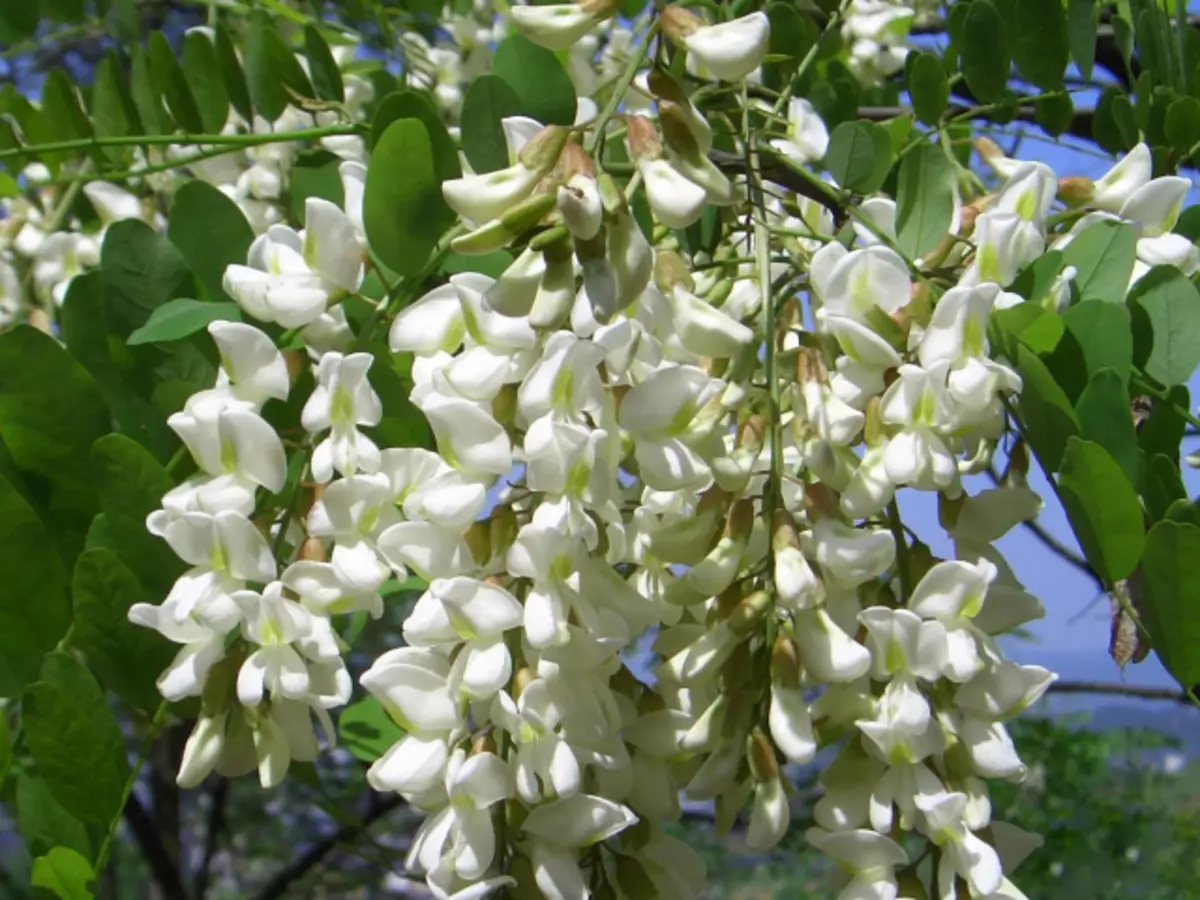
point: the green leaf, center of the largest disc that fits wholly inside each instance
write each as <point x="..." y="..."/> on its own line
<point x="50" y="410"/>
<point x="859" y="156"/>
<point x="1166" y="302"/>
<point x="1041" y="50"/>
<point x="543" y="88"/>
<point x="792" y="36"/>
<point x="64" y="115"/>
<point x="19" y="20"/>
<point x="77" y="745"/>
<point x="326" y="77"/>
<point x="1104" y="417"/>
<point x="929" y="88"/>
<point x="1103" y="508"/>
<point x="173" y="86"/>
<point x="1081" y="34"/>
<point x="1029" y="324"/>
<point x="131" y="485"/>
<point x="367" y="731"/>
<point x="984" y="51"/>
<point x="1046" y="414"/>
<point x="1054" y="113"/>
<point x="1171" y="598"/>
<point x="126" y="657"/>
<point x="1102" y="331"/>
<point x="273" y="74"/>
<point x="146" y="97"/>
<point x="1161" y="486"/>
<point x="211" y="233"/>
<point x="65" y="873"/>
<point x="203" y="74"/>
<point x="35" y="606"/>
<point x="315" y="174"/>
<point x="1182" y="124"/>
<point x="408" y="104"/>
<point x="924" y="200"/>
<point x="232" y="75"/>
<point x="1103" y="256"/>
<point x="1163" y="430"/>
<point x="402" y="425"/>
<point x="402" y="197"/>
<point x="44" y="823"/>
<point x="141" y="270"/>
<point x="492" y="264"/>
<point x="180" y="318"/>
<point x="1036" y="279"/>
<point x="489" y="99"/>
<point x="113" y="112"/>
<point x="88" y="330"/>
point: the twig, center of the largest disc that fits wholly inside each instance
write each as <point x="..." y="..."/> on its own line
<point x="212" y="836"/>
<point x="1120" y="690"/>
<point x="153" y="850"/>
<point x="280" y="882"/>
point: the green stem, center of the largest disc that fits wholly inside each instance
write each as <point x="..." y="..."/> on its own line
<point x="762" y="254"/>
<point x="596" y="144"/>
<point x="160" y="718"/>
<point x="142" y="171"/>
<point x="183" y="140"/>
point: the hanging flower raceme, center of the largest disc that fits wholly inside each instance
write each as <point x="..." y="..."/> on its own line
<point x="637" y="427"/>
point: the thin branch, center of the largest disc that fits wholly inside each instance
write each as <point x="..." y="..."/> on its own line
<point x="282" y="880"/>
<point x="212" y="835"/>
<point x="153" y="850"/>
<point x="1119" y="690"/>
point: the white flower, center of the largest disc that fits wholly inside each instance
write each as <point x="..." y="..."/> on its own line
<point x="731" y="50"/>
<point x="964" y="854"/>
<point x="807" y="138"/>
<point x="342" y="400"/>
<point x="558" y="26"/>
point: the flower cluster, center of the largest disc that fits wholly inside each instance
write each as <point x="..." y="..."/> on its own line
<point x="657" y="533"/>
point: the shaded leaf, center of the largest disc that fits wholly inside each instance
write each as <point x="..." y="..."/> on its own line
<point x="366" y="730"/>
<point x="402" y="197"/>
<point x="1103" y="509"/>
<point x="984" y="51"/>
<point x="202" y="72"/>
<point x="326" y="77"/>
<point x="77" y="745"/>
<point x="271" y="68"/>
<point x="126" y="657"/>
<point x="1104" y="417"/>
<point x="211" y="232"/>
<point x="1171" y="597"/>
<point x="1046" y="414"/>
<point x="35" y="605"/>
<point x="489" y="99"/>
<point x="543" y="89"/>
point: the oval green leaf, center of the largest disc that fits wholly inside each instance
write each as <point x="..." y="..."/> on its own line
<point x="180" y="318"/>
<point x="1103" y="508"/>
<point x="489" y="99"/>
<point x="402" y="197"/>
<point x="543" y="87"/>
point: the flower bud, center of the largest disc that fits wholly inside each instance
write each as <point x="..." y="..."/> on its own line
<point x="580" y="206"/>
<point x="760" y="755"/>
<point x="670" y="270"/>
<point x="1076" y="191"/>
<point x="785" y="663"/>
<point x="542" y="151"/>
<point x="749" y="613"/>
<point x="202" y="751"/>
<point x="642" y="139"/>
